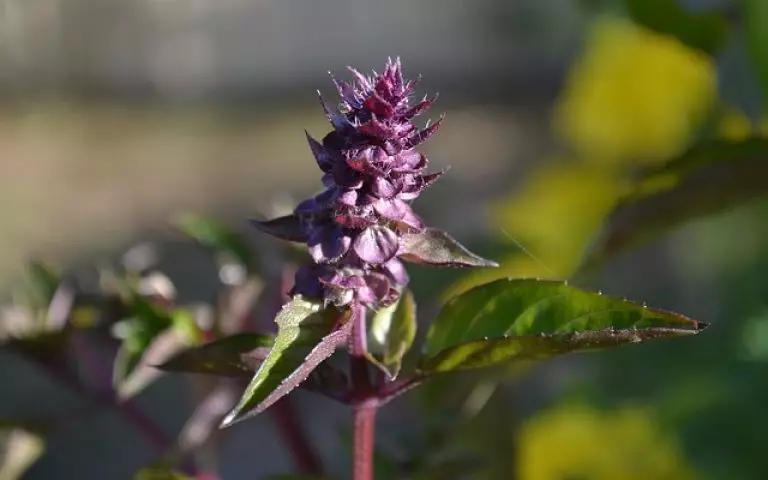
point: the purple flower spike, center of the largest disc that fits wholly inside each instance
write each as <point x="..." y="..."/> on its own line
<point x="363" y="222"/>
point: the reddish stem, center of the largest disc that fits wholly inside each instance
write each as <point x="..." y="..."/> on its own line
<point x="364" y="400"/>
<point x="365" y="425"/>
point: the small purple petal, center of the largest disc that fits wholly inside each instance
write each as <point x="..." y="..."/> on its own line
<point x="394" y="209"/>
<point x="410" y="161"/>
<point x="307" y="281"/>
<point x="375" y="290"/>
<point x="396" y="271"/>
<point x="376" y="245"/>
<point x="381" y="187"/>
<point x="348" y="197"/>
<point x="327" y="243"/>
<point x="411" y="222"/>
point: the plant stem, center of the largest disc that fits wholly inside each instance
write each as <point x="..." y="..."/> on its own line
<point x="365" y="425"/>
<point x="364" y="421"/>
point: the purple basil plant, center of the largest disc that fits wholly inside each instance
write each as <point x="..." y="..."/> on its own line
<point x="353" y="291"/>
<point x="361" y="227"/>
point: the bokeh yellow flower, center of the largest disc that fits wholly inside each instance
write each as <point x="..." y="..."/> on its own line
<point x="553" y="215"/>
<point x="634" y="95"/>
<point x="734" y="125"/>
<point x="577" y="441"/>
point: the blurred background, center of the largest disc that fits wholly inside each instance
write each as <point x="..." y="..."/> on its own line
<point x="118" y="115"/>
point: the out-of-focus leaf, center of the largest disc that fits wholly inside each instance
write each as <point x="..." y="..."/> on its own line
<point x="160" y="473"/>
<point x="307" y="335"/>
<point x="216" y="237"/>
<point x="288" y="227"/>
<point x="705" y="31"/>
<point x="21" y="449"/>
<point x="527" y="319"/>
<point x="167" y="343"/>
<point x="234" y="356"/>
<point x="138" y="332"/>
<point x="393" y="330"/>
<point x="437" y="248"/>
<point x="43" y="283"/>
<point x="755" y="21"/>
<point x="709" y="178"/>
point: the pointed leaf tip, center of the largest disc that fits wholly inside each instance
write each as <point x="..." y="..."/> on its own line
<point x="307" y="335"/>
<point x="438" y="248"/>
<point x="288" y="227"/>
<point x="531" y="320"/>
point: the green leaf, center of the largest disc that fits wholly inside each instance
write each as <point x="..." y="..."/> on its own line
<point x="234" y="356"/>
<point x="435" y="247"/>
<point x="709" y="178"/>
<point x="306" y="336"/>
<point x="755" y="16"/>
<point x="523" y="319"/>
<point x="145" y="324"/>
<point x="168" y="342"/>
<point x="43" y="283"/>
<point x="705" y="31"/>
<point x="393" y="330"/>
<point x="216" y="237"/>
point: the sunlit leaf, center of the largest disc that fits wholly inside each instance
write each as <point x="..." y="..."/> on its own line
<point x="393" y="330"/>
<point x="755" y="20"/>
<point x="524" y="319"/>
<point x="307" y="335"/>
<point x="705" y="31"/>
<point x="216" y="237"/>
<point x="435" y="247"/>
<point x="709" y="178"/>
<point x="234" y="356"/>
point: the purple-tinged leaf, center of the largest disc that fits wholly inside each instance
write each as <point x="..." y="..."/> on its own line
<point x="307" y="335"/>
<point x="436" y="247"/>
<point x="526" y="320"/>
<point x="288" y="227"/>
<point x="238" y="355"/>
